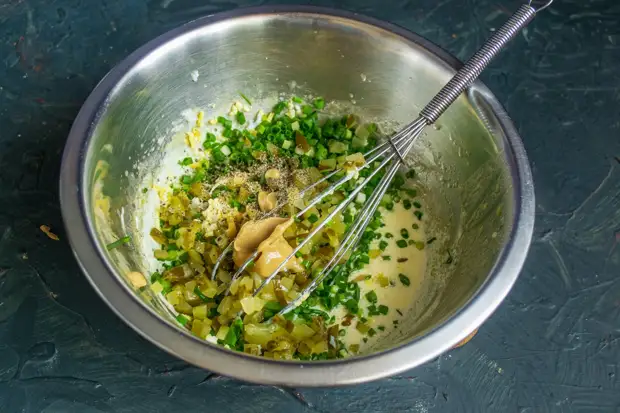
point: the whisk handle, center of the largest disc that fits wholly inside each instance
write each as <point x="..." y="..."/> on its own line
<point x="476" y="64"/>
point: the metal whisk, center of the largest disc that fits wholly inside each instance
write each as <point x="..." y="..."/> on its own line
<point x="392" y="152"/>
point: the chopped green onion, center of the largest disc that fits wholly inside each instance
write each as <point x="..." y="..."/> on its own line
<point x="386" y="258"/>
<point x="371" y="296"/>
<point x="410" y="174"/>
<point x="313" y="218"/>
<point x="404" y="279"/>
<point x="319" y="103"/>
<point x="240" y="118"/>
<point x="383" y="309"/>
<point x="224" y="122"/>
<point x="187" y="161"/>
<point x="407" y="204"/>
<point x="122" y="241"/>
<point x="404" y="233"/>
<point x="398" y="182"/>
<point x="401" y="243"/>
<point x="182" y="320"/>
<point x="383" y="245"/>
<point x="417" y="204"/>
<point x="234" y="332"/>
<point x="418" y="214"/>
<point x="415" y="226"/>
<point x="411" y="192"/>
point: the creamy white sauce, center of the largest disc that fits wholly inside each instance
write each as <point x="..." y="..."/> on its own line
<point x="396" y="295"/>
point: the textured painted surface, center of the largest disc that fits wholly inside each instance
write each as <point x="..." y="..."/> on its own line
<point x="553" y="346"/>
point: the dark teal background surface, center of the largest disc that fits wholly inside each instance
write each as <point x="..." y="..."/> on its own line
<point x="552" y="346"/>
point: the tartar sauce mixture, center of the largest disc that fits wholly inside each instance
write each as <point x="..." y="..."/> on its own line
<point x="241" y="188"/>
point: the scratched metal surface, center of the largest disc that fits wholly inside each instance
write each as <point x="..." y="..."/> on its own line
<point x="553" y="346"/>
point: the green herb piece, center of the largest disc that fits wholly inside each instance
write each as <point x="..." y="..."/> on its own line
<point x="187" y="161"/>
<point x="313" y="218"/>
<point x="234" y="333"/>
<point x="145" y="190"/>
<point x="383" y="245"/>
<point x="418" y="214"/>
<point x="410" y="174"/>
<point x="388" y="235"/>
<point x="236" y="204"/>
<point x="319" y="103"/>
<point x="415" y="226"/>
<point x="401" y="243"/>
<point x="209" y="140"/>
<point x="383" y="309"/>
<point x="431" y="240"/>
<point x="166" y="286"/>
<point x="371" y="296"/>
<point x="398" y="182"/>
<point x="279" y="107"/>
<point x="297" y="99"/>
<point x="411" y="192"/>
<point x="407" y="204"/>
<point x="417" y="204"/>
<point x="389" y="206"/>
<point x="122" y="241"/>
<point x="352" y="305"/>
<point x="245" y="98"/>
<point x="182" y="320"/>
<point x="419" y="245"/>
<point x="240" y="118"/>
<point x="381" y="328"/>
<point x="404" y="279"/>
<point x="372" y="332"/>
<point x="386" y="258"/>
<point x="404" y="233"/>
<point x="227" y="123"/>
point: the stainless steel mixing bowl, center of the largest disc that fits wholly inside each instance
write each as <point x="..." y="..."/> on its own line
<point x="473" y="171"/>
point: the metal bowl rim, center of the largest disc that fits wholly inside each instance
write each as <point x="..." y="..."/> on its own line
<point x="329" y="373"/>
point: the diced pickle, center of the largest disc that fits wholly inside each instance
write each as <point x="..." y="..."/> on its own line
<point x="253" y="349"/>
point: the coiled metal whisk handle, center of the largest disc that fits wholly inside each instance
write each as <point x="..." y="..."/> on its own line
<point x="476" y="64"/>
